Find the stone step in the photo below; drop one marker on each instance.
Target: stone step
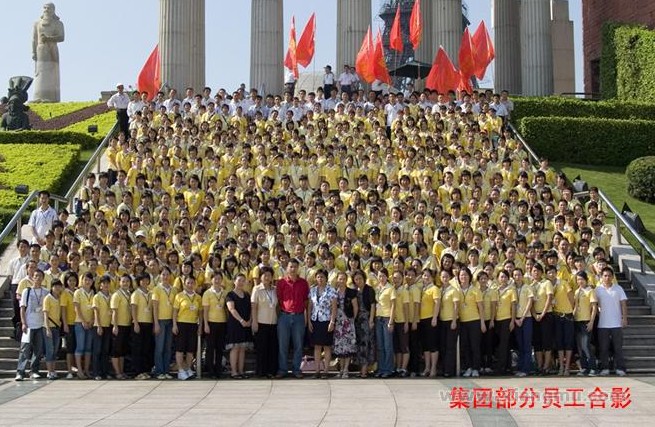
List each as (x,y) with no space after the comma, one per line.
(10,363)
(8,342)
(647,319)
(636,301)
(638,350)
(9,353)
(644,330)
(631,293)
(643,362)
(637,339)
(6,321)
(6,303)
(639,309)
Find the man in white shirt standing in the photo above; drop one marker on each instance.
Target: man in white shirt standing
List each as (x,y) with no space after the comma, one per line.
(190,94)
(32,318)
(613,308)
(328,80)
(139,100)
(346,80)
(119,102)
(42,218)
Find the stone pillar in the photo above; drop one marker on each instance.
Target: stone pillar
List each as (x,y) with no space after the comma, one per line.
(182,43)
(563,55)
(353,20)
(507,42)
(536,48)
(447,27)
(266,46)
(426,51)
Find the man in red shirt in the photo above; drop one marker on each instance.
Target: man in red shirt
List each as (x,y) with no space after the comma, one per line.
(292,295)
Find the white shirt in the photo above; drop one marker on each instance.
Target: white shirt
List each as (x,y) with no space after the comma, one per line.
(190,99)
(392,112)
(345,79)
(133,107)
(42,220)
(169,103)
(290,78)
(15,268)
(328,79)
(330,104)
(609,305)
(119,101)
(33,307)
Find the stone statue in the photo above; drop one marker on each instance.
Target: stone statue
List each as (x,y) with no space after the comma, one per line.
(48,31)
(15,118)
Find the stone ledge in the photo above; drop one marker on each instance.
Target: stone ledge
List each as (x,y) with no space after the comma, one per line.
(629,263)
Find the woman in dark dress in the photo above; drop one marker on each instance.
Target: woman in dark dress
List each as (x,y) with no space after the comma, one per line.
(323,314)
(239,334)
(364,323)
(345,339)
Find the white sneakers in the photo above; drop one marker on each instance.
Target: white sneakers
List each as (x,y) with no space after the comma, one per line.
(604,372)
(182,375)
(620,372)
(19,377)
(475,373)
(467,373)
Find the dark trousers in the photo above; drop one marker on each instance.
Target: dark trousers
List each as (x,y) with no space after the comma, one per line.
(16,304)
(414,352)
(470,337)
(266,346)
(123,122)
(448,346)
(613,337)
(142,349)
(487,346)
(101,352)
(32,351)
(503,334)
(215,345)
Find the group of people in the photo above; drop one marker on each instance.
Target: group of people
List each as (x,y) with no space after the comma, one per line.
(376,229)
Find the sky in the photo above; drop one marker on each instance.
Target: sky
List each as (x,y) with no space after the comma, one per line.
(108,41)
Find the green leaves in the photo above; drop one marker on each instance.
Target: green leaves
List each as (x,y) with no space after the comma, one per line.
(641,179)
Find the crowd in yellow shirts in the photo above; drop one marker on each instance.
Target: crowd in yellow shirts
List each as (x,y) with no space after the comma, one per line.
(427,198)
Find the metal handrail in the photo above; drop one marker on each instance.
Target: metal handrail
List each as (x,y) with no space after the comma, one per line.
(17,219)
(619,218)
(94,160)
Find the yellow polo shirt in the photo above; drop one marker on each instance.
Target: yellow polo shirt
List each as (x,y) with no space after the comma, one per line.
(561,302)
(402,298)
(85,301)
(164,299)
(415,297)
(429,298)
(188,307)
(120,302)
(525,293)
(488,296)
(506,299)
(66,302)
(101,303)
(385,296)
(450,296)
(215,300)
(468,305)
(541,291)
(141,300)
(52,310)
(584,298)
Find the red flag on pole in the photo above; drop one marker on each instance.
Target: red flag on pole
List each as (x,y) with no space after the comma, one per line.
(465,83)
(415,25)
(379,64)
(483,50)
(149,79)
(306,45)
(466,56)
(290,60)
(395,37)
(364,61)
(443,75)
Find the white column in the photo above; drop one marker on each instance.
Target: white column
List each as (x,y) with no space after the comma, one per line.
(563,55)
(426,51)
(536,48)
(353,19)
(507,43)
(182,43)
(447,27)
(266,46)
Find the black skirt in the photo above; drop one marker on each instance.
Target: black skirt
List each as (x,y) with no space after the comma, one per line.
(320,335)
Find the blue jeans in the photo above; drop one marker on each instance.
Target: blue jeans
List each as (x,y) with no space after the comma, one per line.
(163,346)
(31,351)
(583,338)
(290,327)
(51,345)
(524,342)
(384,340)
(83,339)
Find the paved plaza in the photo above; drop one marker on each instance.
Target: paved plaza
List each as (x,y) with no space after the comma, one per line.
(353,402)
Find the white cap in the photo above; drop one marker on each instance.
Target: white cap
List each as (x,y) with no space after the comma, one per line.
(120,84)
(140,233)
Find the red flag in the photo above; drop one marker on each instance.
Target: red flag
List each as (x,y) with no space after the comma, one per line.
(379,64)
(466,56)
(415,25)
(149,79)
(395,37)
(483,50)
(443,75)
(464,83)
(364,61)
(290,61)
(306,45)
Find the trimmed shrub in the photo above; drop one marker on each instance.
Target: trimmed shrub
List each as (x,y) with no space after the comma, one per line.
(590,141)
(641,179)
(57,137)
(556,106)
(104,121)
(51,110)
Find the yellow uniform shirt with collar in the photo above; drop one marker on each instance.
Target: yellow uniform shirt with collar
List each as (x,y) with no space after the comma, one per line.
(66,302)
(402,298)
(52,310)
(541,291)
(450,296)
(141,299)
(101,303)
(165,298)
(488,296)
(385,297)
(188,307)
(525,293)
(468,305)
(584,298)
(561,302)
(429,298)
(85,301)
(506,299)
(215,300)
(120,302)
(415,296)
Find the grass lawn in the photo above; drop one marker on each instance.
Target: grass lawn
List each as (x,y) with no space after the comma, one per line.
(613,182)
(51,110)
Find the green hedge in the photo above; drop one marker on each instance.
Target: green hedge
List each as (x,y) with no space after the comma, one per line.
(641,179)
(105,122)
(58,137)
(49,111)
(628,62)
(573,107)
(590,141)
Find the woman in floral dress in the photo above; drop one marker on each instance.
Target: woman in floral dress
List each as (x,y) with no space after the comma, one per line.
(364,323)
(345,339)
